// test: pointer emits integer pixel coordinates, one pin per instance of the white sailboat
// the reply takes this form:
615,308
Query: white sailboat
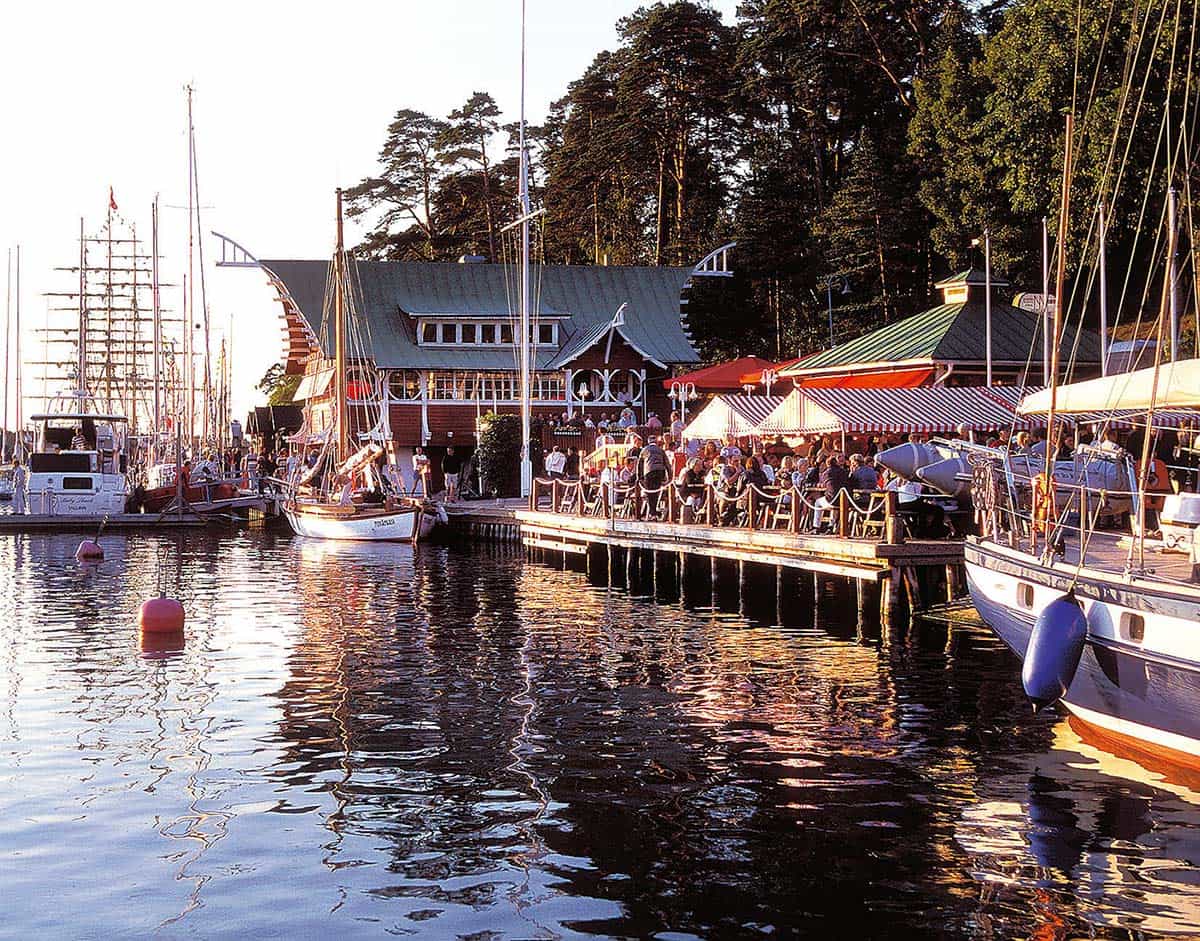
342,495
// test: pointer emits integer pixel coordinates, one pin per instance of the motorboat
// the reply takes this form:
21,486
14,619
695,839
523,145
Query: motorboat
78,467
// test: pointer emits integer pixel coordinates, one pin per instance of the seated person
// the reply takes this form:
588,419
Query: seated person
926,518
690,486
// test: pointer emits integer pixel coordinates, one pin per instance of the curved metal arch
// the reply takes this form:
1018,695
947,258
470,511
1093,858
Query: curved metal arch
715,264
233,255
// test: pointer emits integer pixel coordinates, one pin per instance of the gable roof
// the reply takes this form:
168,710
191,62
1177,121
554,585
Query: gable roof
952,333
390,293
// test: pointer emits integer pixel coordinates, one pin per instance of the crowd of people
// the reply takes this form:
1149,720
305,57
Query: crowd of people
814,473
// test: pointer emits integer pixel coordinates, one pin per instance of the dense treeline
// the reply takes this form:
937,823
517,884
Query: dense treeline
869,140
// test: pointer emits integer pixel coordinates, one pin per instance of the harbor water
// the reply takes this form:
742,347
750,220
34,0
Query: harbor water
366,741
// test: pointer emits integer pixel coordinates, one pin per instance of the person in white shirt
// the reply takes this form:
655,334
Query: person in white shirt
556,463
420,462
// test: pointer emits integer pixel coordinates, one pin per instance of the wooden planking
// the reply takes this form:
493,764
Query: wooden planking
554,531
128,521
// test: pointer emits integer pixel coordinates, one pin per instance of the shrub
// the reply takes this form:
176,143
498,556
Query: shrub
499,454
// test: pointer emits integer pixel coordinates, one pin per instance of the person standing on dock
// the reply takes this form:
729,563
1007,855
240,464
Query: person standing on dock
18,482
654,473
451,468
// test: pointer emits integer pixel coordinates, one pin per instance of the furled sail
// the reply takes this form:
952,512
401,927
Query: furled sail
1178,386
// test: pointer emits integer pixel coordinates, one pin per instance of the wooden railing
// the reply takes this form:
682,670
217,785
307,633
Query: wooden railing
859,515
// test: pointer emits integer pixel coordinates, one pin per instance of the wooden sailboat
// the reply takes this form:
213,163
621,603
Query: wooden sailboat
332,499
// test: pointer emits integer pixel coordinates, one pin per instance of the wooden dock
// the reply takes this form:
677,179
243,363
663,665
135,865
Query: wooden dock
485,520
867,548
40,523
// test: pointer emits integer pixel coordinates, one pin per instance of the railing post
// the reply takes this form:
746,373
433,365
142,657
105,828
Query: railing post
555,496
606,500
893,532
843,513
709,500
671,501
533,495
750,507
797,509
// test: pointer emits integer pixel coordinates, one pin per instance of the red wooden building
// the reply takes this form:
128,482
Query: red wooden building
439,342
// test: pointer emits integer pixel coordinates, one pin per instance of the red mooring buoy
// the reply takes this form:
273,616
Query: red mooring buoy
89,551
161,616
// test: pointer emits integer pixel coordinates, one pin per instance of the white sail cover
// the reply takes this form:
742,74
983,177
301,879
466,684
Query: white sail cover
1178,387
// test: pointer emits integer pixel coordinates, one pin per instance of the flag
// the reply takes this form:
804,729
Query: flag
112,200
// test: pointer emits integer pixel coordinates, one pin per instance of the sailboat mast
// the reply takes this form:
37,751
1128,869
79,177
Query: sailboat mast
1103,276
189,295
1060,282
81,378
156,319
339,336
19,450
526,405
7,332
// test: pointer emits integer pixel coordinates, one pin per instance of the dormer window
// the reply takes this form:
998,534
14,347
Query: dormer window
473,333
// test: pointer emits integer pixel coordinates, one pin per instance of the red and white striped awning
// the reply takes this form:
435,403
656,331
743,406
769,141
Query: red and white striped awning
926,410
738,415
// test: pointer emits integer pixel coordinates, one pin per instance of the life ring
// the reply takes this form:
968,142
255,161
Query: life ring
1044,511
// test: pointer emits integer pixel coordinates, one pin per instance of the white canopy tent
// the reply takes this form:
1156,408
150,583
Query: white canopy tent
738,415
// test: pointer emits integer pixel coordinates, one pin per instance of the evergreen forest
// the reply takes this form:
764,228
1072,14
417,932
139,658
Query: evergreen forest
867,141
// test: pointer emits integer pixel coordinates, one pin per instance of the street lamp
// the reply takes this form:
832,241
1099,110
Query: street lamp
582,393
843,285
768,378
987,300
682,392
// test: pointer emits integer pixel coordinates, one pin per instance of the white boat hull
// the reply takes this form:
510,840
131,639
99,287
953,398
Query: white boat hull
1143,687
365,526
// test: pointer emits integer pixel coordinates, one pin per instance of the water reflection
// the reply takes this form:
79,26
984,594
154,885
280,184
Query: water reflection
360,739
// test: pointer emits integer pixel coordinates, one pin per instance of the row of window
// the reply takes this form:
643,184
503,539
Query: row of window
462,386
618,385
472,333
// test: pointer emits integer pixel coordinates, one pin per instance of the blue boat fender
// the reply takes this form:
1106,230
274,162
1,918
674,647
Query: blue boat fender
1054,652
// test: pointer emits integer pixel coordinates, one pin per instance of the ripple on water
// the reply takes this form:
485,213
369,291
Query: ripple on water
359,740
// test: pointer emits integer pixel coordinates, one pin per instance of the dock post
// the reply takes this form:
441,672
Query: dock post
629,555
912,587
609,551
889,598
779,595
952,581
741,586
860,592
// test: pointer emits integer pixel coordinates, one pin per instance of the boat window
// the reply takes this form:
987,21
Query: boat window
77,483
51,463
1133,627
1025,595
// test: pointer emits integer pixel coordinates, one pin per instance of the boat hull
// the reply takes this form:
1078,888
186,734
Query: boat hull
1143,686
364,526
159,499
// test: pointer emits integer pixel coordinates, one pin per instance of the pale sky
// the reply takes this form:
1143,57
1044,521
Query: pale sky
291,101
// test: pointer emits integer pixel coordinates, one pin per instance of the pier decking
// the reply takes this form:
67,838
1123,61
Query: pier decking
867,546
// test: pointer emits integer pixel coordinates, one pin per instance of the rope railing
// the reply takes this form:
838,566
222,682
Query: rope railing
790,508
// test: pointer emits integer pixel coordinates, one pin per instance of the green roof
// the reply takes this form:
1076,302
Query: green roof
392,293
954,332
